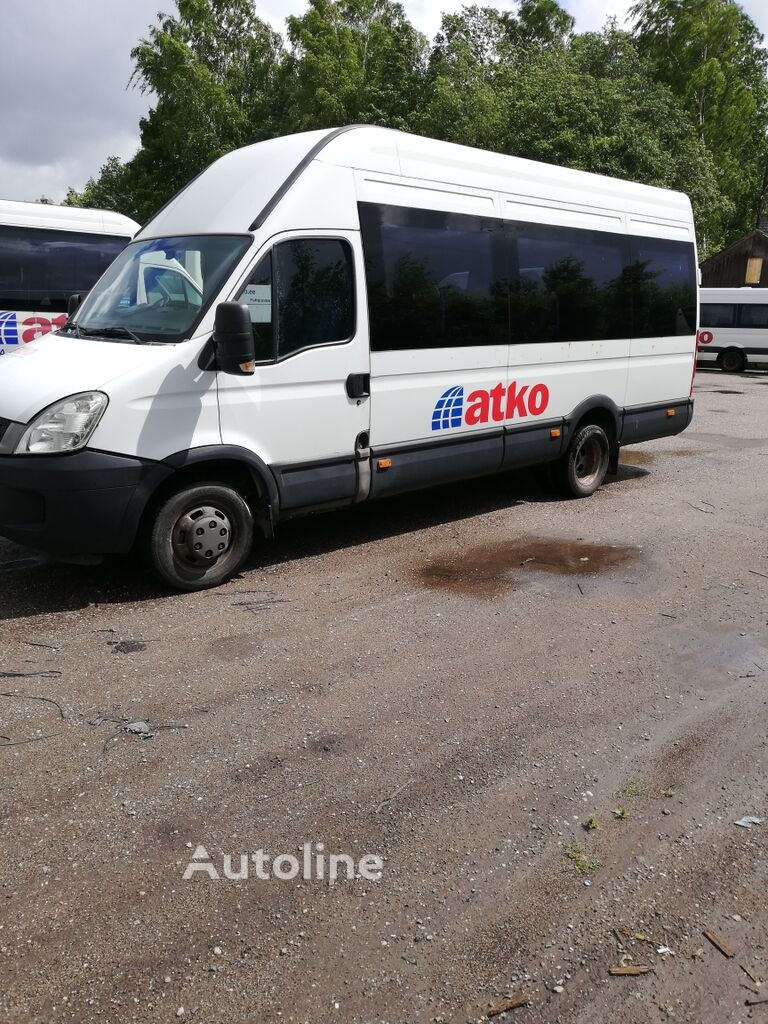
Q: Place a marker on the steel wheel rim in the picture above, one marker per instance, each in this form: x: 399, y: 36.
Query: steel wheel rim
x: 588, y: 461
x: 201, y: 536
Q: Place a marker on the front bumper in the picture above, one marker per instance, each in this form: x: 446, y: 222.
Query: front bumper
x: 86, y: 503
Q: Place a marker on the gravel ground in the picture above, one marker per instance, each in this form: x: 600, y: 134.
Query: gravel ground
x: 462, y: 683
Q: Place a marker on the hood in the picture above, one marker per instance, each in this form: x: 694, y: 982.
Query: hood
x: 56, y: 365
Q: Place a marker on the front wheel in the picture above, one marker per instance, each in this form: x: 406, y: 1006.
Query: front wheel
x: 200, y: 536
x: 582, y: 469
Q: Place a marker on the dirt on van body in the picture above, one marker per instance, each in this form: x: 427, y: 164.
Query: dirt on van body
x: 548, y: 754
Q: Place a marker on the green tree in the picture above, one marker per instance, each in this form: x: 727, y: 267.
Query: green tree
x: 214, y: 71
x: 111, y: 190
x: 466, y: 78
x: 353, y: 61
x: 709, y: 52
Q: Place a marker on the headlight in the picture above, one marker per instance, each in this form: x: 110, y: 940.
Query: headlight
x: 64, y: 426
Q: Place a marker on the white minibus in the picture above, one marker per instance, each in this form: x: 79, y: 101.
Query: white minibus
x: 343, y: 315
x: 47, y: 254
x: 733, y: 328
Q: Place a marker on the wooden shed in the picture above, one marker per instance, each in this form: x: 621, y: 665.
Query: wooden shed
x: 744, y: 262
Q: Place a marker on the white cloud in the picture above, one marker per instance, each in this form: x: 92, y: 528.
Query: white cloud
x: 591, y: 15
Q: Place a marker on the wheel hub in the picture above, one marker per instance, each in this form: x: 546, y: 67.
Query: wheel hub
x: 587, y: 461
x: 202, y: 535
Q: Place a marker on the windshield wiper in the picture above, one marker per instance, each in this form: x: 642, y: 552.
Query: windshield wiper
x: 112, y: 332
x: 70, y: 328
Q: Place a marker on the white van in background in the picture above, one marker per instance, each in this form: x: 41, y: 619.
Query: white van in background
x: 352, y: 313
x: 48, y: 253
x: 733, y: 328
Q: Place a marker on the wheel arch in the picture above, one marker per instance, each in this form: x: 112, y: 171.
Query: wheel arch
x: 600, y: 410
x: 227, y: 464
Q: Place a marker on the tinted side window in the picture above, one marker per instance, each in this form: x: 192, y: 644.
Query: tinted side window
x: 301, y: 294
x: 568, y: 284
x: 435, y: 280
x: 40, y: 269
x: 314, y: 292
x: 753, y: 316
x: 663, y: 278
x: 718, y: 314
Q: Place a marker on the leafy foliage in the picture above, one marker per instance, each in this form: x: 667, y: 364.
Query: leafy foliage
x: 710, y: 54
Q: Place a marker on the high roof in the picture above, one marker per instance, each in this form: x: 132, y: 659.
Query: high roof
x: 239, y: 191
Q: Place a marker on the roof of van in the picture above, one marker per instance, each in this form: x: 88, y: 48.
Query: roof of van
x: 66, y: 218
x: 240, y: 190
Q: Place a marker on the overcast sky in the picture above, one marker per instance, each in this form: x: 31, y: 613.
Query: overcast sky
x: 65, y: 105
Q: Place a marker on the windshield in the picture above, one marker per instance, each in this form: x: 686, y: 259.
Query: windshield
x: 157, y: 290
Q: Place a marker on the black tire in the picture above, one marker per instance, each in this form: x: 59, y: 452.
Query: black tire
x: 582, y: 469
x: 732, y: 361
x: 199, y: 536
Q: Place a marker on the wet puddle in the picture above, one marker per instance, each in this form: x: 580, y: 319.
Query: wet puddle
x: 487, y: 570
x: 635, y: 457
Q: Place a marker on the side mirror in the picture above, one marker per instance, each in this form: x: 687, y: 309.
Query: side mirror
x: 74, y: 302
x: 233, y: 338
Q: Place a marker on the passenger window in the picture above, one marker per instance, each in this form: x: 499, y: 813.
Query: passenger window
x: 435, y: 280
x: 568, y: 285
x: 312, y: 283
x: 663, y: 277
x: 315, y: 297
x: 717, y: 314
x: 753, y: 316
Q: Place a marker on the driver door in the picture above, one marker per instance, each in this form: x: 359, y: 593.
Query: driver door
x: 306, y: 410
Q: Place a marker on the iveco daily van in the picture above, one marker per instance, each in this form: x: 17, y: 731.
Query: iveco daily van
x: 342, y: 315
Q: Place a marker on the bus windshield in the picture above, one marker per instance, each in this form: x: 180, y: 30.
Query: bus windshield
x: 157, y: 290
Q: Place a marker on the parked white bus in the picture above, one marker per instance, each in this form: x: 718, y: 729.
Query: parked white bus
x: 347, y: 314
x: 48, y: 253
x: 733, y: 328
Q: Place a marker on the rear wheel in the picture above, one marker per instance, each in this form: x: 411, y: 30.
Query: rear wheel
x: 582, y: 469
x: 732, y: 361
x: 200, y: 536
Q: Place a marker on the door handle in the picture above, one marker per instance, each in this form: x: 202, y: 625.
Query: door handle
x: 359, y: 385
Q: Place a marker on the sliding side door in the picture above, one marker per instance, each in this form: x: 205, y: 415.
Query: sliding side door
x: 438, y: 309
x: 570, y: 303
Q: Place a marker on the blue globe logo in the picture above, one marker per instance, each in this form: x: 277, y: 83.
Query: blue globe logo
x: 9, y: 329
x: 449, y: 409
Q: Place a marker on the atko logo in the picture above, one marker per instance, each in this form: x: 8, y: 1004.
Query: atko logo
x: 9, y: 329
x: 495, y: 405
x: 32, y: 327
